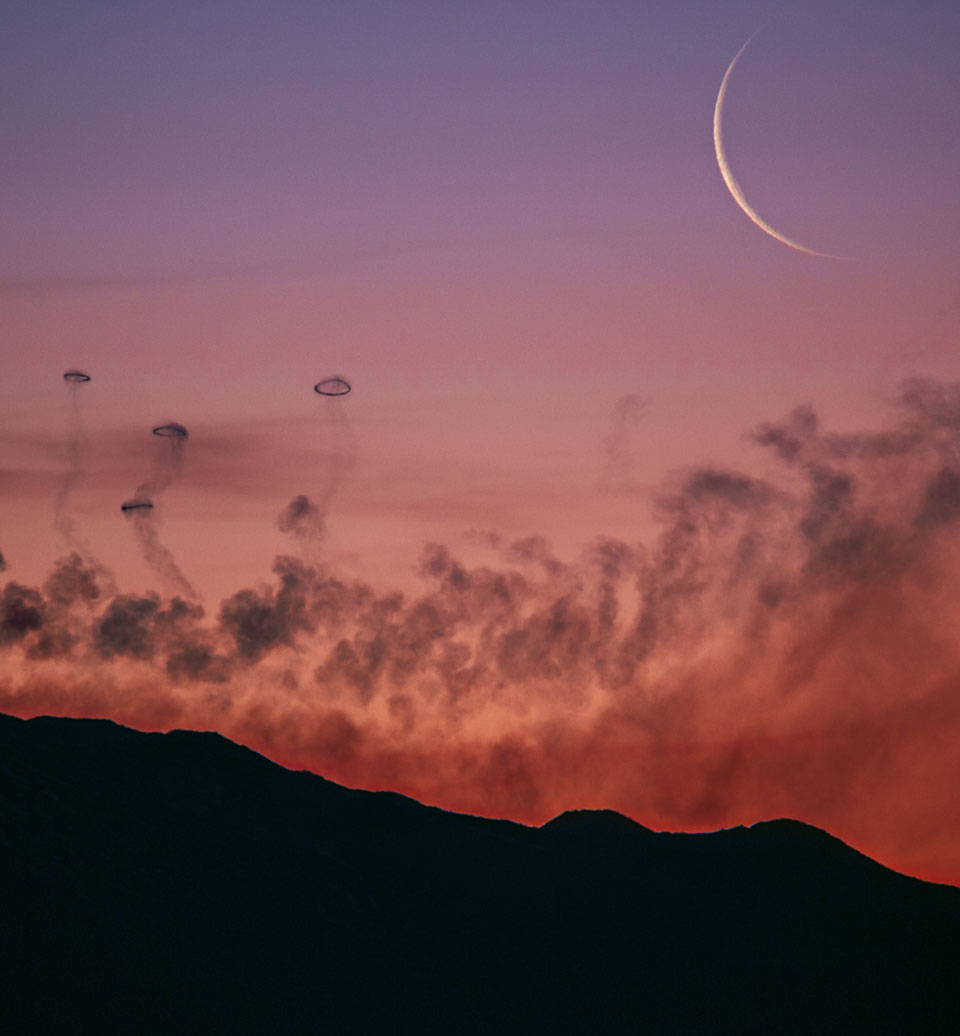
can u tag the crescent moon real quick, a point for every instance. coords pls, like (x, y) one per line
(728, 178)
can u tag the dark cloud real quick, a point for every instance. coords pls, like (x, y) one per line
(73, 580)
(197, 660)
(302, 519)
(142, 627)
(934, 401)
(22, 612)
(127, 627)
(790, 439)
(941, 499)
(257, 621)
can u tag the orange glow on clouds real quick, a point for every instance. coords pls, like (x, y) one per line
(782, 647)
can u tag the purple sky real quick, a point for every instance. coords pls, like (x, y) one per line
(497, 218)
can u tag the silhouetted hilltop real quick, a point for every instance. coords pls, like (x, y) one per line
(179, 883)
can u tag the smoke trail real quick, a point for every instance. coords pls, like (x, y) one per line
(339, 447)
(167, 463)
(617, 473)
(142, 509)
(305, 517)
(63, 519)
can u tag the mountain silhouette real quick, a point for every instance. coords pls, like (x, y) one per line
(179, 883)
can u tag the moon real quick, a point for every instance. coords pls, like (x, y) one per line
(728, 178)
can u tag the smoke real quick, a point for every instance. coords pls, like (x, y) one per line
(617, 472)
(337, 441)
(21, 613)
(142, 510)
(784, 646)
(338, 448)
(167, 463)
(305, 517)
(64, 520)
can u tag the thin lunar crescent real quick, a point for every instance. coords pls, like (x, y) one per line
(728, 178)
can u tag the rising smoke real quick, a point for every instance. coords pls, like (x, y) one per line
(784, 646)
(305, 517)
(141, 510)
(64, 520)
(617, 472)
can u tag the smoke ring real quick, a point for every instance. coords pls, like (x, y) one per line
(171, 431)
(333, 387)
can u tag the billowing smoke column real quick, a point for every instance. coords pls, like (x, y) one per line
(785, 646)
(141, 509)
(305, 518)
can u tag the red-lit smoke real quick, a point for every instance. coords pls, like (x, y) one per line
(784, 647)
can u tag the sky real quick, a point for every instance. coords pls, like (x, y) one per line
(631, 505)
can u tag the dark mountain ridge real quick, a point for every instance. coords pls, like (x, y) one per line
(179, 883)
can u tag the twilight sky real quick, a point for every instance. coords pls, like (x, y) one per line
(505, 224)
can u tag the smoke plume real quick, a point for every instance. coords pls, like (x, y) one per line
(305, 517)
(784, 646)
(143, 510)
(64, 519)
(617, 473)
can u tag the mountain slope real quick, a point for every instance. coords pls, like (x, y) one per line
(169, 883)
